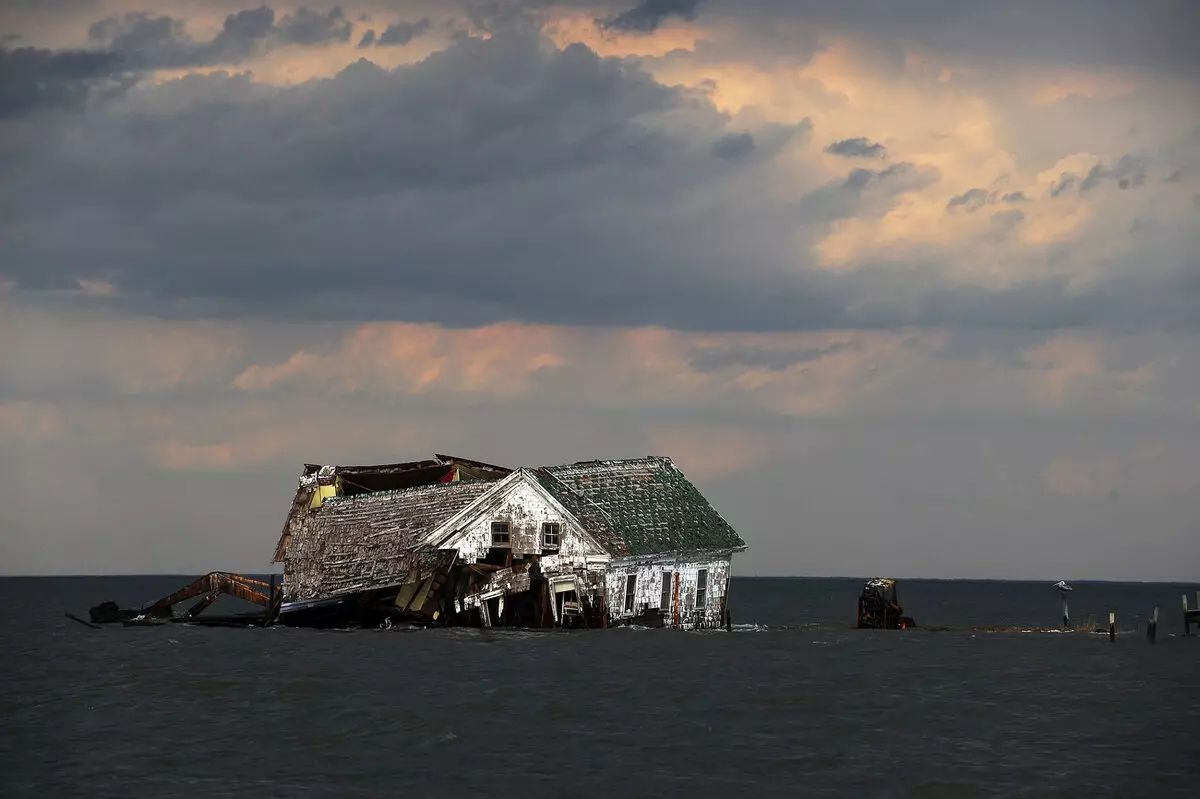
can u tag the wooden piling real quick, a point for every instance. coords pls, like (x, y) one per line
(1152, 627)
(604, 603)
(725, 607)
(675, 614)
(1112, 626)
(269, 613)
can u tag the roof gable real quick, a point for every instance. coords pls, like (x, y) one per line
(454, 528)
(644, 506)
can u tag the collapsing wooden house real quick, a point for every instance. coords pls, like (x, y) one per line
(451, 541)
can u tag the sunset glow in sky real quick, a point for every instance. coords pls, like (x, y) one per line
(908, 288)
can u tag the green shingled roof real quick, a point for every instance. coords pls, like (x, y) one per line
(639, 507)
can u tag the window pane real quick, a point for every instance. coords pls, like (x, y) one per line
(701, 588)
(630, 591)
(665, 602)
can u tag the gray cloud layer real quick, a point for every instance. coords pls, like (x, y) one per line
(497, 179)
(647, 16)
(508, 179)
(1156, 35)
(401, 33)
(124, 48)
(859, 147)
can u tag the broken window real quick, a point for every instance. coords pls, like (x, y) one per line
(551, 532)
(500, 537)
(665, 604)
(701, 588)
(630, 590)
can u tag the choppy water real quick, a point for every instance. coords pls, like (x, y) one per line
(793, 703)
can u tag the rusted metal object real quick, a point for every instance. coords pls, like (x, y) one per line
(214, 584)
(209, 588)
(879, 608)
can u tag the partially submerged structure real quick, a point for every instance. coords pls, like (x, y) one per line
(460, 542)
(879, 608)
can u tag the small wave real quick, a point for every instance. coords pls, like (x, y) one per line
(750, 628)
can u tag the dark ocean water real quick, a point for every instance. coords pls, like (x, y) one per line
(793, 703)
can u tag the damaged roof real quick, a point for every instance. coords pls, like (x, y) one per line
(643, 506)
(357, 541)
(375, 478)
(370, 540)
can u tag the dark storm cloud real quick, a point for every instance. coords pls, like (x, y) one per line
(734, 146)
(33, 78)
(367, 39)
(1015, 197)
(534, 184)
(148, 42)
(401, 33)
(860, 147)
(307, 27)
(125, 47)
(241, 33)
(1155, 35)
(1127, 173)
(861, 178)
(970, 201)
(647, 16)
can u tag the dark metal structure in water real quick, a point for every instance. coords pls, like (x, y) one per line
(879, 608)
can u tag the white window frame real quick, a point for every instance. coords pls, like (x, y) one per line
(551, 529)
(701, 589)
(630, 592)
(668, 594)
(506, 532)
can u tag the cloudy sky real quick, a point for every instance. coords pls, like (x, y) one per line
(909, 288)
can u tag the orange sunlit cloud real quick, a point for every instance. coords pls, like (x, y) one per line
(566, 27)
(409, 358)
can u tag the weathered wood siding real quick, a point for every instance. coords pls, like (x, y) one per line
(648, 591)
(525, 510)
(369, 541)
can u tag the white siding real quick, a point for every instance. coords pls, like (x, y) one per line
(525, 509)
(648, 593)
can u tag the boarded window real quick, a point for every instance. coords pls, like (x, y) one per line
(665, 603)
(500, 537)
(630, 591)
(551, 533)
(701, 588)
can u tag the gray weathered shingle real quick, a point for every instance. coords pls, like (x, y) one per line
(370, 540)
(643, 506)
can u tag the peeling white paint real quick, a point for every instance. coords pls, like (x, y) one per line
(648, 591)
(525, 507)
